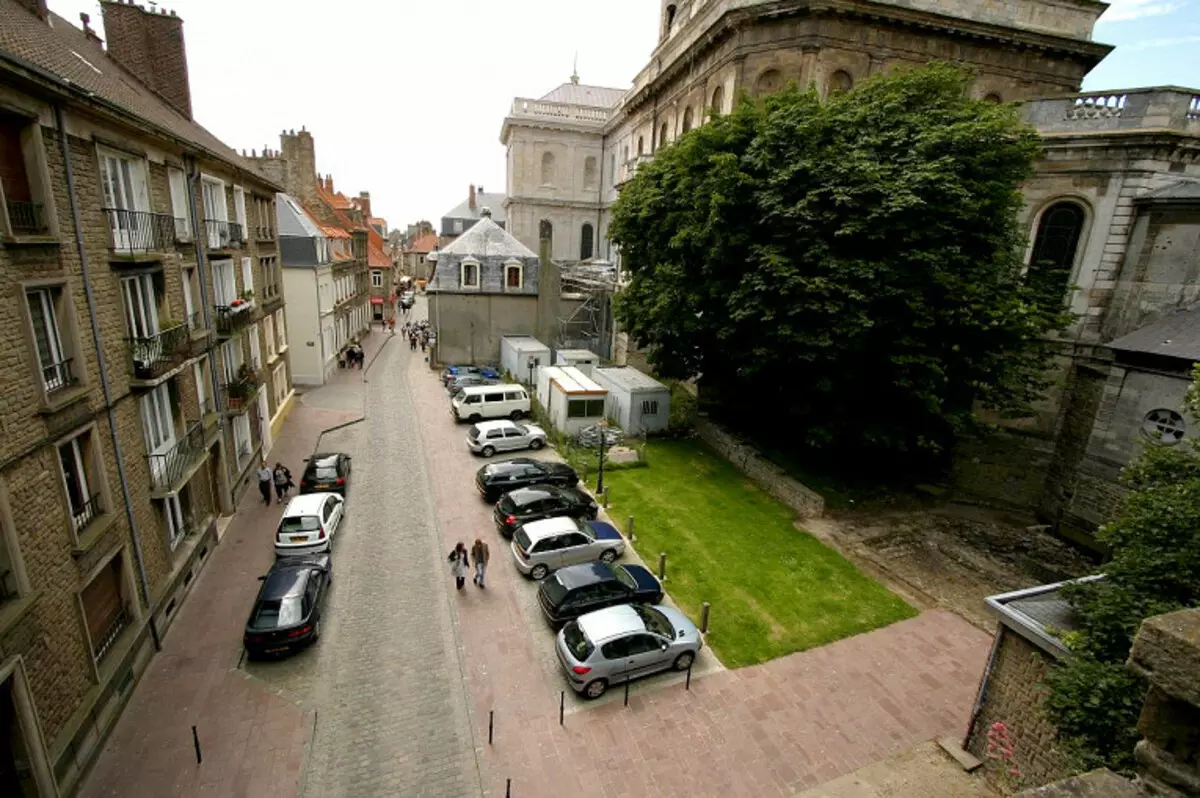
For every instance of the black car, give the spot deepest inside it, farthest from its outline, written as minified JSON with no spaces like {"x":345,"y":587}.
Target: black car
{"x":287,"y":611}
{"x":541,"y":501}
{"x":575,"y":590}
{"x":496,"y":479}
{"x":326,"y":473}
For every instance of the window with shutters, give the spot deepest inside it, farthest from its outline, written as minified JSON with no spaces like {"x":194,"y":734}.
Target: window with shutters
{"x":126,"y":197}
{"x":269,"y":335}
{"x":239,"y":212}
{"x":51,"y":322}
{"x":247,"y":278}
{"x":79,"y":464}
{"x":279,"y":379}
{"x":281,"y":343}
{"x":224,"y":282}
{"x":255,"y":348}
{"x":23,"y":208}
{"x":105,"y":607}
{"x":179,"y":204}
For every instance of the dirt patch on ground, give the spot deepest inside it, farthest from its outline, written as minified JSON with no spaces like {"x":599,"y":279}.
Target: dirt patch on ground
{"x":952,"y":556}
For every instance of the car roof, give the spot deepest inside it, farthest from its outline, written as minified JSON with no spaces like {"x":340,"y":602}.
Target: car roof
{"x":536,"y":530}
{"x":611,"y":622}
{"x":489,"y":388}
{"x":502,"y":465}
{"x":324,"y":459}
{"x":532,"y":493}
{"x":588,"y":573}
{"x":305,"y":504}
{"x":284,"y":580}
{"x":487,"y":425}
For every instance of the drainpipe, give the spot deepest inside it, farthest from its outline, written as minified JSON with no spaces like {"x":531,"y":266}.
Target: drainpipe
{"x":983,"y":683}
{"x":104,"y":383}
{"x":193,"y":179}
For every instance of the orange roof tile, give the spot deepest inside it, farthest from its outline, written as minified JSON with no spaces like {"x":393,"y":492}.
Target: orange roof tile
{"x":334,"y":232}
{"x":424,"y":243}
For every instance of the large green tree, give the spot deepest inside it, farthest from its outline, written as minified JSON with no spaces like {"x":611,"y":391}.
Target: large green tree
{"x":854,"y":263}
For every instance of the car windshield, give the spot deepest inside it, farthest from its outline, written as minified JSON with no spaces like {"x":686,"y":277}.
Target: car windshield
{"x":325,"y":472}
{"x":625,"y":578}
{"x":521,"y":428}
{"x":522,"y":539}
{"x":473,"y":433}
{"x":554,"y":590}
{"x":277,"y":613}
{"x":655,"y":621}
{"x":507,"y":504}
{"x":577,"y":643}
{"x":458,"y":396}
{"x":300,"y":523}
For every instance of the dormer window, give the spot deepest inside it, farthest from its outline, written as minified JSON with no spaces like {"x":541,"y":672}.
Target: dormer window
{"x":514,"y":275}
{"x":469,"y":273}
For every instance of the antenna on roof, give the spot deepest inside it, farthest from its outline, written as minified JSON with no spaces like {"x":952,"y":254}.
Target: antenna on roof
{"x":575,"y":69}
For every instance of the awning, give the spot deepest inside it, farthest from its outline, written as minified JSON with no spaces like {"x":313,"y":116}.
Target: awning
{"x":376,"y":300}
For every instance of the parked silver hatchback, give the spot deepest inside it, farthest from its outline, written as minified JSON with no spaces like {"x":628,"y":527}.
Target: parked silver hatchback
{"x":623,"y":643}
{"x":540,"y":547}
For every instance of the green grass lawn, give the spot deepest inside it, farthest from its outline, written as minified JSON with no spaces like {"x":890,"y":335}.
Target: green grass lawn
{"x":773,"y":589}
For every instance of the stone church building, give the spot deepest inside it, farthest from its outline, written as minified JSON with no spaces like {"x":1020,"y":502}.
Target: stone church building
{"x":1116,"y":196}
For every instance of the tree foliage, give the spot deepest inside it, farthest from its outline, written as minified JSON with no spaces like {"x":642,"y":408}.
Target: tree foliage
{"x":1155,"y":568}
{"x":855,"y":260}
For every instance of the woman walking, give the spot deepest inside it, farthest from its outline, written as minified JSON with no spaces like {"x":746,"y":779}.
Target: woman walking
{"x":480,"y":556}
{"x":459,"y":564}
{"x":283,"y":481}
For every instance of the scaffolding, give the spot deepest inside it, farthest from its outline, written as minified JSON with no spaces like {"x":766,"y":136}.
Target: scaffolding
{"x":589,"y":324}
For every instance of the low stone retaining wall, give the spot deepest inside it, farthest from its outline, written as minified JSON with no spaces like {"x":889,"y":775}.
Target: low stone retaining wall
{"x":774,"y":480}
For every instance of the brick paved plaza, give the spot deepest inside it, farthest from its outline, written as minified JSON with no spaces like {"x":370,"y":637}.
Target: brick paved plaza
{"x":395,"y":698}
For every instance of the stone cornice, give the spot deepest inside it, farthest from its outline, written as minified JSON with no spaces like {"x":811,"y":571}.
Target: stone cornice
{"x":555,"y":203}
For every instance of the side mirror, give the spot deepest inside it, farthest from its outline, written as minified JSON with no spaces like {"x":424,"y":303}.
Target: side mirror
{"x":262,"y":578}
{"x":306,"y":459}
{"x":663,"y":646}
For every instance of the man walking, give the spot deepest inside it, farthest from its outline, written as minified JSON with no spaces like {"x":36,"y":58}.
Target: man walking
{"x":479,"y":556}
{"x":265,"y":478}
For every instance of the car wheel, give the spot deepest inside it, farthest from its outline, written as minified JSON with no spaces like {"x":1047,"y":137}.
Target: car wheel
{"x":474,"y":418}
{"x":539,"y":572}
{"x":516,"y":415}
{"x":536,"y":444}
{"x":684,"y":661}
{"x":608,"y":556}
{"x":488,"y":451}
{"x":595,"y":689}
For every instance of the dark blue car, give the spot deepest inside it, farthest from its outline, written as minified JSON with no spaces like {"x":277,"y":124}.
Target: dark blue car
{"x":463,"y":370}
{"x":579,"y":589}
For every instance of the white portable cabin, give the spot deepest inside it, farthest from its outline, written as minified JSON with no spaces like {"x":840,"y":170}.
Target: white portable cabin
{"x":638,"y":402}
{"x":572,"y":399}
{"x":581,"y":359}
{"x":519,"y":352}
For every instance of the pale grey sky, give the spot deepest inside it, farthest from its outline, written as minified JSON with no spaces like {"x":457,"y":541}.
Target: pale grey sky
{"x":405,"y":98}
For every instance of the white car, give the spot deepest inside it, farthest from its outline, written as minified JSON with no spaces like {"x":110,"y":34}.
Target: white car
{"x":488,"y":437}
{"x":309,"y":524}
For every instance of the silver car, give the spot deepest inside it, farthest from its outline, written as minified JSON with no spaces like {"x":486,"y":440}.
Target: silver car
{"x":488,"y":437}
{"x":623,"y":643}
{"x":543,"y":546}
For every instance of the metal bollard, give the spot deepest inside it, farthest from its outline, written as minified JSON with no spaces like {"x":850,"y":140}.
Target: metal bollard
{"x":688,"y":684}
{"x":508,"y":788}
{"x":196,"y":743}
{"x":491,"y":724}
{"x":626,"y":692}
{"x":662,"y":566}
{"x":629,"y":530}
{"x":606,"y":497}
{"x":704,"y":608}
{"x":562,"y":699}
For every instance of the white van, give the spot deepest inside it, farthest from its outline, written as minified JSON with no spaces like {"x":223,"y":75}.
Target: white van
{"x":477,"y":402}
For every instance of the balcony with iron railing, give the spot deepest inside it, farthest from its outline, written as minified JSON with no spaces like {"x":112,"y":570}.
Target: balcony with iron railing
{"x":59,"y":376}
{"x":240,"y":390}
{"x":222,"y":234}
{"x":154,"y":355}
{"x":1167,"y":108}
{"x":26,"y":218}
{"x":85,"y":512}
{"x":138,"y":235}
{"x":171,"y":469}
{"x":232,"y":318}
{"x":109,"y":637}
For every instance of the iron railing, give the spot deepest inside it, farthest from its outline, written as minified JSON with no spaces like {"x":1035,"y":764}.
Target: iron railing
{"x":105,"y":643}
{"x":85,"y":513}
{"x":59,"y":375}
{"x":159,"y":352}
{"x":231,"y":318}
{"x":222,"y":235}
{"x":140,"y":232}
{"x":26,"y":217}
{"x":239,"y":391}
{"x":167,"y":468}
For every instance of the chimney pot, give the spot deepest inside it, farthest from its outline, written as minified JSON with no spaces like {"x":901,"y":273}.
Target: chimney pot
{"x":471,"y":197}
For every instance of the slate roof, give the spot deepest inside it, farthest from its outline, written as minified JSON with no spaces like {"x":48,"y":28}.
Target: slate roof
{"x":423,"y":244}
{"x":486,"y":238}
{"x":57,"y":47}
{"x":294,"y":220}
{"x":493,"y":202}
{"x":1183,"y":190}
{"x":579,"y":94}
{"x":1176,"y":334}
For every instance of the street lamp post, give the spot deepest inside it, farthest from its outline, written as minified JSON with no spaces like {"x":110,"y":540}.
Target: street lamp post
{"x":534,"y":362}
{"x":603,"y":425}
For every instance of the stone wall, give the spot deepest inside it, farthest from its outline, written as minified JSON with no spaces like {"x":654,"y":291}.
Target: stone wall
{"x":805,"y":502}
{"x":1013,"y":695}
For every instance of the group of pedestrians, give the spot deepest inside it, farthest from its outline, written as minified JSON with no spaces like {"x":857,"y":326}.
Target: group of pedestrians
{"x":461,"y":560}
{"x":279,"y":478}
{"x":419,"y":334}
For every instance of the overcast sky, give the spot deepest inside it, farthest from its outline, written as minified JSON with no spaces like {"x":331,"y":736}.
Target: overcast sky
{"x":405,"y":98}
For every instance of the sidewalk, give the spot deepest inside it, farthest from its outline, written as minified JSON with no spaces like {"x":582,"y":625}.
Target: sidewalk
{"x":252,"y":740}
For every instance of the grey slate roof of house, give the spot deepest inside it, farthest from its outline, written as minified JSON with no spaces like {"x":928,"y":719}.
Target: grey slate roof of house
{"x":1176,"y":335}
{"x":493,"y":202}
{"x":57,"y":47}
{"x":1186,"y":190}
{"x":293,"y":220}
{"x":487,"y":239}
{"x":579,"y":94}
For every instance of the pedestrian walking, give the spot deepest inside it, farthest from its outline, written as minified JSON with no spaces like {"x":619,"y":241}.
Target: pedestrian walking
{"x":283,"y":481}
{"x":479,"y":556}
{"x":459,"y":565}
{"x":412,"y":342}
{"x":265,"y":477}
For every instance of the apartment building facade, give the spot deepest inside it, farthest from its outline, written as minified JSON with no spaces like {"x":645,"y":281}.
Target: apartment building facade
{"x":141,"y":306}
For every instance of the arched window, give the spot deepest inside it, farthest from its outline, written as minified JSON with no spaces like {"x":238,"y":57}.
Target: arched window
{"x":993,"y":97}
{"x":547,"y":168}
{"x":840,"y":81}
{"x":687,"y":119}
{"x":585,"y":242}
{"x":670,"y":20}
{"x":718,"y":100}
{"x":589,"y":172}
{"x":641,"y":145}
{"x":768,"y":82}
{"x":1053,"y":256}
{"x":662,"y":134}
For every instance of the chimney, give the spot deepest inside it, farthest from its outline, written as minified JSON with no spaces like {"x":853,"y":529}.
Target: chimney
{"x":364,"y":202}
{"x":299,"y":157}
{"x":329,"y":183}
{"x":87,"y":29}
{"x":35,"y":7}
{"x":150,"y":45}
{"x":471,"y":198}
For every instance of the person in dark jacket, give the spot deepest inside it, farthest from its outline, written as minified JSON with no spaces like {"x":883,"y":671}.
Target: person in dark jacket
{"x":459,"y":564}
